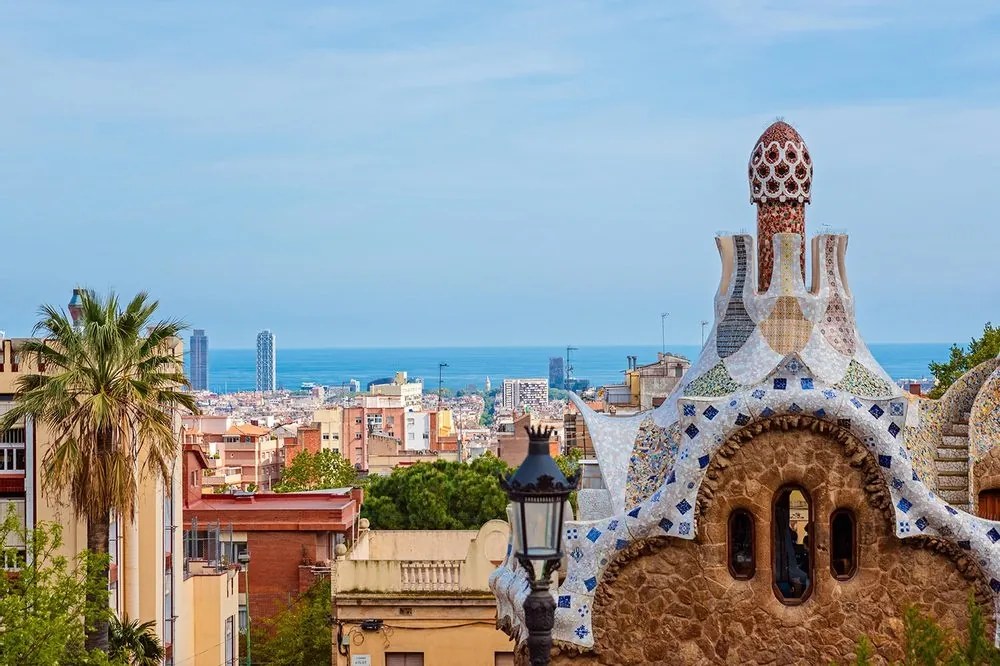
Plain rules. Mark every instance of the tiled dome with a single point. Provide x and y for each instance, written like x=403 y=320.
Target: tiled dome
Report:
x=780 y=166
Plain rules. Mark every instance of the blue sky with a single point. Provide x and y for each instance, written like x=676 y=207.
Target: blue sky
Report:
x=442 y=173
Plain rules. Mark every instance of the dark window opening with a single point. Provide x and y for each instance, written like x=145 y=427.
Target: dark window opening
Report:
x=742 y=561
x=843 y=544
x=791 y=545
x=989 y=504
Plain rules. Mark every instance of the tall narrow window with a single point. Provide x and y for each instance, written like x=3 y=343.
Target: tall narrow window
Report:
x=742 y=560
x=989 y=504
x=791 y=545
x=843 y=544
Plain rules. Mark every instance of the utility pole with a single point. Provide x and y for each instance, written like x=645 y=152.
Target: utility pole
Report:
x=441 y=367
x=569 y=367
x=704 y=323
x=663 y=332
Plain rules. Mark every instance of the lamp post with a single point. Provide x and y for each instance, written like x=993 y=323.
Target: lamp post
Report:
x=663 y=332
x=244 y=559
x=538 y=491
x=441 y=367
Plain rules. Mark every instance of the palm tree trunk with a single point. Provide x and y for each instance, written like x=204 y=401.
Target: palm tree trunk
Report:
x=97 y=590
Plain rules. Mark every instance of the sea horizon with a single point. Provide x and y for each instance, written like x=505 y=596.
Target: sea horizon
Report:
x=234 y=369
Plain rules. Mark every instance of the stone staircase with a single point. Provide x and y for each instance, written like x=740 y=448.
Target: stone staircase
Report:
x=952 y=464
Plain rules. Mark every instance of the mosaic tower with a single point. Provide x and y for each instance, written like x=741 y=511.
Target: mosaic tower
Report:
x=780 y=173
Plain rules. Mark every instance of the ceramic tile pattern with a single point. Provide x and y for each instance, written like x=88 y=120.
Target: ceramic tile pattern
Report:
x=653 y=464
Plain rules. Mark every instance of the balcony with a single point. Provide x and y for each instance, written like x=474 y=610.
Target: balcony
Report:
x=222 y=476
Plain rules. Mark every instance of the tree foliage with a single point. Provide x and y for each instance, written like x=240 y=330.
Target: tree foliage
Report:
x=300 y=635
x=962 y=360
x=437 y=495
x=44 y=607
x=316 y=471
x=135 y=643
x=107 y=395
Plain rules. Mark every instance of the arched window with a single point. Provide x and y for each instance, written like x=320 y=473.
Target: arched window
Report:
x=791 y=545
x=989 y=504
x=742 y=558
x=843 y=544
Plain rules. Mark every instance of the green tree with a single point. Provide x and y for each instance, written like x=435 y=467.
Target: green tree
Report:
x=301 y=634
x=437 y=496
x=316 y=471
x=44 y=609
x=110 y=387
x=961 y=360
x=135 y=644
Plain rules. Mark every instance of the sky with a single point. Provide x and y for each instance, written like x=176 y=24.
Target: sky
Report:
x=451 y=173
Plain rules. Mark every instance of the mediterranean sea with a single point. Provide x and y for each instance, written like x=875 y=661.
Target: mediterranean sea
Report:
x=231 y=370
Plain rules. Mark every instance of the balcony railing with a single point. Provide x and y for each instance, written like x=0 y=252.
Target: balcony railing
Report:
x=431 y=576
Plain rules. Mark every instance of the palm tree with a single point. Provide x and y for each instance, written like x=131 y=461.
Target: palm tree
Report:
x=107 y=385
x=135 y=644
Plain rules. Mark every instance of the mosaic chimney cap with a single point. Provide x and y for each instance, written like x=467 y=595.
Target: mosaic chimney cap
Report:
x=780 y=167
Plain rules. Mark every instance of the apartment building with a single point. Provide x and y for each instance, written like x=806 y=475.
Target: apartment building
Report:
x=194 y=609
x=525 y=393
x=410 y=393
x=419 y=598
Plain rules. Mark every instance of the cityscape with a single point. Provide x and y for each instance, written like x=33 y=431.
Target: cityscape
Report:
x=412 y=334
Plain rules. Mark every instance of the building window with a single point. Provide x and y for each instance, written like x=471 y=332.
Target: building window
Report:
x=791 y=545
x=230 y=642
x=11 y=459
x=989 y=504
x=742 y=558
x=326 y=436
x=843 y=544
x=404 y=659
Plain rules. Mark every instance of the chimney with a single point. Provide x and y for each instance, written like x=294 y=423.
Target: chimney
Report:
x=915 y=388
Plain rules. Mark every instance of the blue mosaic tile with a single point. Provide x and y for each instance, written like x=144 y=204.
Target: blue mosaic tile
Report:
x=904 y=526
x=613 y=525
x=688 y=409
x=590 y=583
x=594 y=534
x=885 y=461
x=703 y=462
x=856 y=403
x=742 y=419
x=876 y=411
x=895 y=409
x=921 y=523
x=672 y=477
x=995 y=585
x=950 y=509
x=766 y=412
x=564 y=601
x=683 y=506
x=635 y=512
x=780 y=383
x=576 y=553
x=829 y=394
x=759 y=393
x=581 y=631
x=572 y=533
x=904 y=505
x=965 y=545
x=620 y=543
x=656 y=496
x=820 y=413
x=583 y=610
x=710 y=412
x=897 y=483
x=691 y=431
x=915 y=477
x=806 y=383
x=794 y=408
x=893 y=429
x=666 y=524
x=684 y=528
x=993 y=535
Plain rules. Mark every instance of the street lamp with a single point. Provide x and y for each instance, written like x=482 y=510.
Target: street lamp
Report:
x=244 y=559
x=441 y=367
x=663 y=333
x=538 y=491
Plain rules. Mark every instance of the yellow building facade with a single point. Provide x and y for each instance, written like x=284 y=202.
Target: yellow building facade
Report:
x=194 y=608
x=419 y=598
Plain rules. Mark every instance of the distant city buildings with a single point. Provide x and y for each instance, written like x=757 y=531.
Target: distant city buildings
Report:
x=557 y=372
x=198 y=364
x=518 y=393
x=411 y=393
x=266 y=362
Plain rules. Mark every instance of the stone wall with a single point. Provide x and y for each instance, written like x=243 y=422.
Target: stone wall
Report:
x=672 y=601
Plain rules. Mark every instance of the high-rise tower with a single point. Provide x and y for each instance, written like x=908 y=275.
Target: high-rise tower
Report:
x=266 y=365
x=780 y=173
x=198 y=364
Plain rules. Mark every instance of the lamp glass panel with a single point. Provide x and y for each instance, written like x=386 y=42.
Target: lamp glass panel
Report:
x=542 y=527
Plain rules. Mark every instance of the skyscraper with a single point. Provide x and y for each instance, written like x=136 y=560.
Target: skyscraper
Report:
x=198 y=364
x=557 y=372
x=266 y=366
